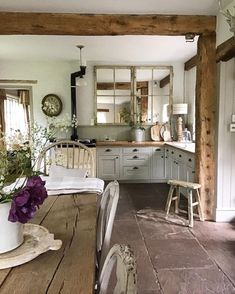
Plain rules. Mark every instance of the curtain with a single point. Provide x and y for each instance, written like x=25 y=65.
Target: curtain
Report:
x=24 y=100
x=16 y=115
x=2 y=117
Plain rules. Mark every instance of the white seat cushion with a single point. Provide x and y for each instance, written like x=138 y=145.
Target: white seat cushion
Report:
x=61 y=171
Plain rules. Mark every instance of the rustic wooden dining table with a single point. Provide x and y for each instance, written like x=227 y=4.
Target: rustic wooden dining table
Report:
x=71 y=269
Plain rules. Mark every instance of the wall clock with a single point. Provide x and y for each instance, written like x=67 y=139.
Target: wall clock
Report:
x=51 y=105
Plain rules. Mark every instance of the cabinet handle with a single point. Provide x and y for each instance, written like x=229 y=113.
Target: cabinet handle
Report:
x=158 y=149
x=166 y=157
x=190 y=159
x=162 y=156
x=193 y=172
x=135 y=157
x=107 y=150
x=135 y=167
x=116 y=157
x=180 y=155
x=135 y=150
x=172 y=152
x=167 y=150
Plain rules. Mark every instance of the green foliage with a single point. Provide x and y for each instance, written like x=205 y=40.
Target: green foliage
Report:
x=133 y=119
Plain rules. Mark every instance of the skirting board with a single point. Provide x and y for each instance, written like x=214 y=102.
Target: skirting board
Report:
x=225 y=215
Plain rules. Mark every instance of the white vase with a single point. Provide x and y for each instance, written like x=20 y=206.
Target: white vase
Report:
x=11 y=234
x=138 y=135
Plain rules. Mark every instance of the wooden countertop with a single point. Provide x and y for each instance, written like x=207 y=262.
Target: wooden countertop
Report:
x=129 y=143
x=189 y=147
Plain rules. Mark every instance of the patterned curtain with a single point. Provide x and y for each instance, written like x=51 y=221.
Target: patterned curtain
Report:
x=2 y=118
x=24 y=100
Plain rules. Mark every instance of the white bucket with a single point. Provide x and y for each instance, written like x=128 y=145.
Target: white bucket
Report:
x=11 y=234
x=138 y=135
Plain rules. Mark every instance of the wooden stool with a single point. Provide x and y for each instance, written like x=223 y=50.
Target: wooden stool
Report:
x=190 y=187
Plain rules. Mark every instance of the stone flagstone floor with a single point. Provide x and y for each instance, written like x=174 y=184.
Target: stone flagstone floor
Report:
x=172 y=258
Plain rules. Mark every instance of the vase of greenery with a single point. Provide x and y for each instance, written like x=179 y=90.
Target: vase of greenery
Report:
x=135 y=122
x=22 y=190
x=138 y=134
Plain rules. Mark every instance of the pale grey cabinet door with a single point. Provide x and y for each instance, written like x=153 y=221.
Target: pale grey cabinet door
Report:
x=158 y=164
x=108 y=167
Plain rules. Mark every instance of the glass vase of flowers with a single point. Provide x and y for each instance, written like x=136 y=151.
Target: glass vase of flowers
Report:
x=22 y=190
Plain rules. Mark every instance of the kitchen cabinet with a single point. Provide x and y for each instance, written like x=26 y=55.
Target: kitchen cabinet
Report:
x=147 y=164
x=158 y=170
x=108 y=163
x=136 y=163
x=179 y=164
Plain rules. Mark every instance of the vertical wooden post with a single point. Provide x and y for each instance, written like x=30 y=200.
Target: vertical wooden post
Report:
x=205 y=121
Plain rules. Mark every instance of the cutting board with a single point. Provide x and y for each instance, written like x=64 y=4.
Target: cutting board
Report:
x=155 y=132
x=165 y=133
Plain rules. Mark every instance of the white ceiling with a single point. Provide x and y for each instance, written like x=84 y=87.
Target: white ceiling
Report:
x=104 y=48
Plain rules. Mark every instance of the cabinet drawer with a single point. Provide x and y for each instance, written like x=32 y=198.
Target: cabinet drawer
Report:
x=134 y=150
x=158 y=151
x=135 y=172
x=108 y=151
x=135 y=159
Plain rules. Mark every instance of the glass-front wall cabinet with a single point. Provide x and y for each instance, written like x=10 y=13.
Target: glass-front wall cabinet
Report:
x=124 y=93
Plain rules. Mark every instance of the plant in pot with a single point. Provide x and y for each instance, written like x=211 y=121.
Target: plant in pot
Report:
x=136 y=124
x=22 y=190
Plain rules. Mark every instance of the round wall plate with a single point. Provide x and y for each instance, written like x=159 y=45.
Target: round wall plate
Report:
x=51 y=105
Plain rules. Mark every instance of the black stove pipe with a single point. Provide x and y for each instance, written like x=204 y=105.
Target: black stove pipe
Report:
x=73 y=77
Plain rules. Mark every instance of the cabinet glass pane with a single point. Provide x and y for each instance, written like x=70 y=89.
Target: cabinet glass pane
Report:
x=122 y=109
x=123 y=81
x=105 y=81
x=105 y=109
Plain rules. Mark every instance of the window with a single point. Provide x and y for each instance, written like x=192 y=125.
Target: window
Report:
x=16 y=112
x=129 y=91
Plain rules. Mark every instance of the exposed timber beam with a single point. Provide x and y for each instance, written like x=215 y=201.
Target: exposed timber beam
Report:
x=205 y=153
x=190 y=63
x=14 y=23
x=226 y=50
x=165 y=81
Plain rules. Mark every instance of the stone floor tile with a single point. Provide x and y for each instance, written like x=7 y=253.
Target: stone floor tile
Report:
x=154 y=225
x=125 y=231
x=196 y=281
x=177 y=253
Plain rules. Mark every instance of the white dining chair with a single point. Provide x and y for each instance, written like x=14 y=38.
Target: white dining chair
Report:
x=106 y=215
x=68 y=154
x=126 y=276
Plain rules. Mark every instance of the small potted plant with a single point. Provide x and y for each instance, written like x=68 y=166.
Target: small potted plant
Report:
x=135 y=122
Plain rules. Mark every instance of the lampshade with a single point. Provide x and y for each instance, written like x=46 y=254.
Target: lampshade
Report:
x=180 y=108
x=81 y=82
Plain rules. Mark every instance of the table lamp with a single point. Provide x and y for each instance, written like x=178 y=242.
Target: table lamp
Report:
x=179 y=109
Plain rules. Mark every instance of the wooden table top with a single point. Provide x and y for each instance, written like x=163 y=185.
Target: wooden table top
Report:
x=71 y=269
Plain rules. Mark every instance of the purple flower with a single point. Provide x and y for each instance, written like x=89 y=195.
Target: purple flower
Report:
x=26 y=201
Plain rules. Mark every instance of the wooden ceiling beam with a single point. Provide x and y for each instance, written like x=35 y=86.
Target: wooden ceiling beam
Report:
x=224 y=52
x=15 y=23
x=190 y=63
x=165 y=81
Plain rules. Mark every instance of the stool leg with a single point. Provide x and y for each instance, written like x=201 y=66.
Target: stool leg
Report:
x=177 y=200
x=199 y=206
x=190 y=207
x=169 y=199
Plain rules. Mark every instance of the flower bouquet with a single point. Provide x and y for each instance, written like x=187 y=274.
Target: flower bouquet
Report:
x=22 y=190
